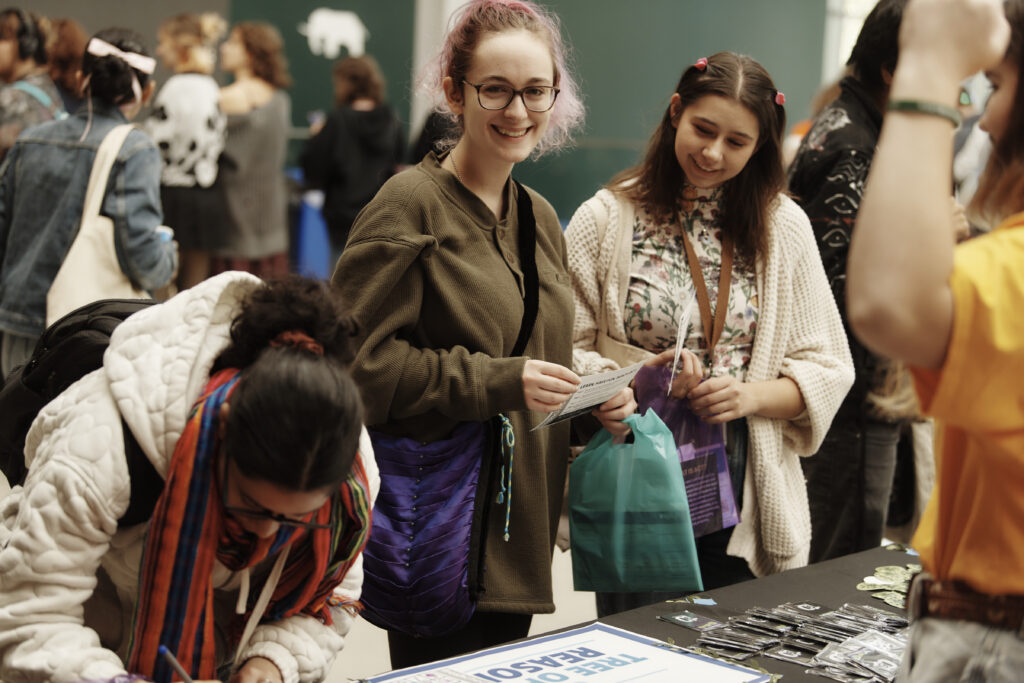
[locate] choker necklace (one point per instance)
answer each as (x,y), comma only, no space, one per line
(451,155)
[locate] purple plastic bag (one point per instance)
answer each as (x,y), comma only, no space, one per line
(701,449)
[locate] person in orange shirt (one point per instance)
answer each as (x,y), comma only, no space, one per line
(953,315)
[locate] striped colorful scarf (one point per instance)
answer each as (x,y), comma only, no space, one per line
(189,531)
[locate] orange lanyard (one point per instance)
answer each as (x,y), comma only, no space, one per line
(712,330)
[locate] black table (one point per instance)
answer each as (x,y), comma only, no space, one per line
(831,583)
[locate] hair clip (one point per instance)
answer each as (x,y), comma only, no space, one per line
(701,63)
(780,98)
(297,339)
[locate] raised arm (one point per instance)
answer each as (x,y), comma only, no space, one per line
(899,300)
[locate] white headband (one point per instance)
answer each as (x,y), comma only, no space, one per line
(100,48)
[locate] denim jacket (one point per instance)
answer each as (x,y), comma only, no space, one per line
(43,181)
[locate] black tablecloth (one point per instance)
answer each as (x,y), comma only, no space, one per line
(830,583)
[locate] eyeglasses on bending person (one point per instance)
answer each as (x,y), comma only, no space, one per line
(263,515)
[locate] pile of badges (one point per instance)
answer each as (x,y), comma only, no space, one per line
(890,583)
(853,644)
(868,657)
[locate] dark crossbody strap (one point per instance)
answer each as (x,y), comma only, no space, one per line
(528,264)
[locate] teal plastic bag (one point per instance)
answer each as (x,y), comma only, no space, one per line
(629,521)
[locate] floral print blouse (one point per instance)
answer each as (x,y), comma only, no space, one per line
(660,286)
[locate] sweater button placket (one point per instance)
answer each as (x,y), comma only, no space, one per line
(499,243)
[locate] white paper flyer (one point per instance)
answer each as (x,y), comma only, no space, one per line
(592,392)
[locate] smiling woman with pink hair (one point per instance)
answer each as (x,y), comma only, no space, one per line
(441,283)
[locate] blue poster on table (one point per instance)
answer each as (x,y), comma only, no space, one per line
(596,654)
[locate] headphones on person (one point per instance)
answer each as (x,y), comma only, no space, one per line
(28,34)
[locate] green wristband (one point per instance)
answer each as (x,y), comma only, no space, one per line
(931,108)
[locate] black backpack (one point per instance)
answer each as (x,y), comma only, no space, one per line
(70,349)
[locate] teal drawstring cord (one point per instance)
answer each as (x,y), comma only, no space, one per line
(508,443)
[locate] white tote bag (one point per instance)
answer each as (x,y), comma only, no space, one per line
(90,270)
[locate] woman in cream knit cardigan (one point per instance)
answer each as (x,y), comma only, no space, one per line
(710,188)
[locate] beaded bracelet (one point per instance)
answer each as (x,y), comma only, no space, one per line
(932,108)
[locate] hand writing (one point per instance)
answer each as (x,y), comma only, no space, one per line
(257,670)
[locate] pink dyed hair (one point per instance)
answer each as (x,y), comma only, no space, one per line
(478,17)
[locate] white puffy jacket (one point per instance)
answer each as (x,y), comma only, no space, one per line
(60,528)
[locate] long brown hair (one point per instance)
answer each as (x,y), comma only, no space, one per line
(357,78)
(265,47)
(1001,188)
(658,181)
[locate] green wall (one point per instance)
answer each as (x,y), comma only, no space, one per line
(628,57)
(390,25)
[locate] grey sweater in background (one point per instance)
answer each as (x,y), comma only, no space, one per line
(252,178)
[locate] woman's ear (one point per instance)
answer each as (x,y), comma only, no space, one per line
(453,95)
(147,92)
(183,55)
(675,109)
(222,419)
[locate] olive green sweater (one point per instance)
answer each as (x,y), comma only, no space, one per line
(434,282)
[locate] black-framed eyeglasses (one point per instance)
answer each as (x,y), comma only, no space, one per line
(495,96)
(264,515)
